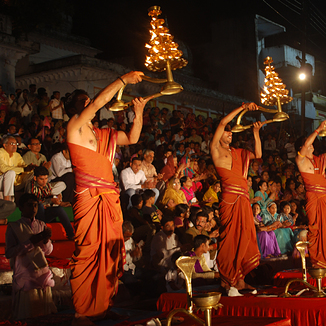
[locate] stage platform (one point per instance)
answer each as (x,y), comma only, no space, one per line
(302,311)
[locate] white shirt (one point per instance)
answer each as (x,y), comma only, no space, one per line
(25,109)
(165,246)
(60,166)
(131,116)
(106,114)
(205,146)
(131,180)
(290,150)
(269,145)
(178,138)
(57,113)
(129,265)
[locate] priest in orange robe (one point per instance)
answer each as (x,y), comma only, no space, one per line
(238,250)
(312,170)
(99,254)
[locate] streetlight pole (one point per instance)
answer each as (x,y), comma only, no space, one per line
(303,65)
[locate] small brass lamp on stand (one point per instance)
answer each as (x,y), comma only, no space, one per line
(204,302)
(163,55)
(274,93)
(316,273)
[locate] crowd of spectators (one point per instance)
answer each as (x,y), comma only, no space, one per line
(169,185)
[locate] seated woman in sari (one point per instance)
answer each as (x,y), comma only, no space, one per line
(287,239)
(265,199)
(181,221)
(268,245)
(284,234)
(188,171)
(300,220)
(211,195)
(170,169)
(186,187)
(252,197)
(289,192)
(300,193)
(254,169)
(173,195)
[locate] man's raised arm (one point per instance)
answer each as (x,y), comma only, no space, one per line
(104,97)
(258,151)
(309,141)
(133,136)
(220,128)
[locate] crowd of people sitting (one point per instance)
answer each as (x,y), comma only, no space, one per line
(168,182)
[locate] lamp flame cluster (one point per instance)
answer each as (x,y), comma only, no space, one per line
(161,46)
(274,88)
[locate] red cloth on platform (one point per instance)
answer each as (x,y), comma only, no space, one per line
(219,321)
(315,185)
(99,253)
(302,311)
(238,252)
(281,278)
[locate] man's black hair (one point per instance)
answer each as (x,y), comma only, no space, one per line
(202,214)
(136,199)
(166,219)
(136,158)
(24,198)
(72,100)
(40,170)
(199,240)
(299,143)
(148,193)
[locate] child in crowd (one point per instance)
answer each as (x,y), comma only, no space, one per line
(27,243)
(135,213)
(284,234)
(149,208)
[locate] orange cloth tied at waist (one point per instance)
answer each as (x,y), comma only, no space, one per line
(97,186)
(235,189)
(315,188)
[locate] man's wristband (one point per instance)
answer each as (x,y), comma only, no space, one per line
(317,132)
(122,80)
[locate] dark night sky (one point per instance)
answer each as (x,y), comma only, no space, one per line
(120,28)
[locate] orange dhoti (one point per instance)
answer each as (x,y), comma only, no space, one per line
(99,254)
(238,250)
(315,185)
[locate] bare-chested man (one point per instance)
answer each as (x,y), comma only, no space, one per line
(238,251)
(312,169)
(98,259)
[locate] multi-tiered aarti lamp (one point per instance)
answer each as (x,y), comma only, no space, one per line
(163,54)
(274,93)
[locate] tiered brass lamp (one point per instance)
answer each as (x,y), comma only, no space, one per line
(274,93)
(163,55)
